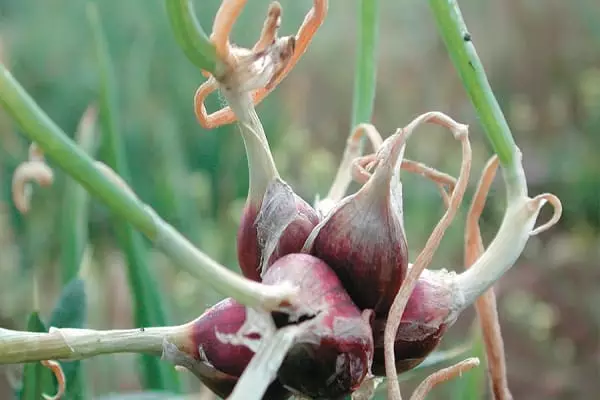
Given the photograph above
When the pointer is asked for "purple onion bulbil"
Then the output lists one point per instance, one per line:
(332, 353)
(282, 219)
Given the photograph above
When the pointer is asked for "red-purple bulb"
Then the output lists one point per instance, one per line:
(331, 355)
(277, 226)
(363, 238)
(431, 309)
(224, 362)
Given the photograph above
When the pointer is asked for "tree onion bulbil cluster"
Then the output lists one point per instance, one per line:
(333, 282)
(355, 250)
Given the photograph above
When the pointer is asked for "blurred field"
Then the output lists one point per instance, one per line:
(543, 61)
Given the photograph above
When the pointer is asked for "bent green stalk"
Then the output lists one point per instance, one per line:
(521, 211)
(459, 45)
(190, 36)
(365, 75)
(58, 147)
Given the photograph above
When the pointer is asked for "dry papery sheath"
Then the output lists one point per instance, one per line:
(331, 355)
(275, 220)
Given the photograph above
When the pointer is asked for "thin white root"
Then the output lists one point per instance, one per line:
(55, 367)
(442, 376)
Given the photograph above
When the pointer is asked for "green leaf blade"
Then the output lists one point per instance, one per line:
(190, 36)
(147, 300)
(365, 75)
(460, 46)
(75, 205)
(71, 312)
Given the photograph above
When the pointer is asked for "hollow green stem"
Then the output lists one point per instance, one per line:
(190, 36)
(459, 44)
(145, 291)
(74, 230)
(366, 63)
(58, 147)
(76, 344)
(363, 99)
(67, 155)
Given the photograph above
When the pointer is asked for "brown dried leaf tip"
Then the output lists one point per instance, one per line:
(56, 369)
(35, 169)
(259, 69)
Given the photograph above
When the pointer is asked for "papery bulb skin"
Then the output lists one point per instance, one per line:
(333, 353)
(363, 238)
(431, 309)
(276, 226)
(224, 362)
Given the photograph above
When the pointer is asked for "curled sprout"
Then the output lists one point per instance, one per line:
(355, 167)
(537, 202)
(35, 169)
(283, 52)
(56, 369)
(443, 375)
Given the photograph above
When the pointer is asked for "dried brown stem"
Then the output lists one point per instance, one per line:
(424, 258)
(486, 304)
(223, 23)
(226, 16)
(56, 369)
(270, 28)
(354, 166)
(442, 376)
(556, 204)
(351, 153)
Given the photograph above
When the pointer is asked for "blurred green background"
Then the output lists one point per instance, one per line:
(543, 61)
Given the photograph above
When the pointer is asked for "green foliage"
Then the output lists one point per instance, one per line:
(472, 385)
(71, 312)
(198, 179)
(365, 76)
(468, 65)
(148, 302)
(75, 209)
(190, 36)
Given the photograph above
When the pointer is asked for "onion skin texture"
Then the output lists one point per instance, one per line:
(331, 355)
(363, 238)
(370, 261)
(431, 309)
(228, 361)
(292, 239)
